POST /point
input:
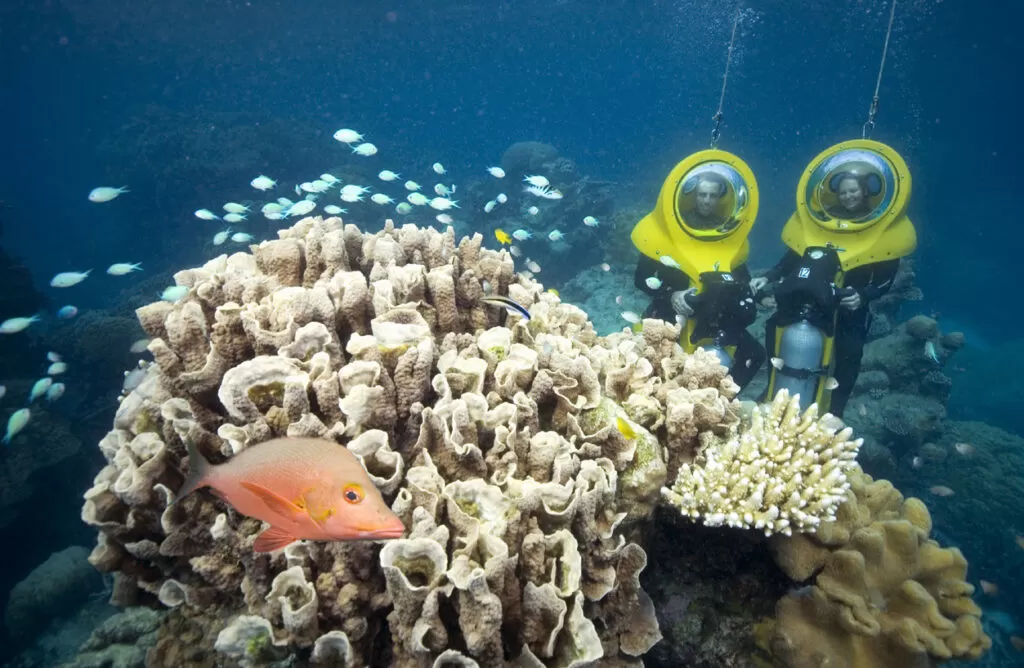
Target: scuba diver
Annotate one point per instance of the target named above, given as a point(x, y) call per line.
point(845, 243)
point(703, 215)
point(693, 249)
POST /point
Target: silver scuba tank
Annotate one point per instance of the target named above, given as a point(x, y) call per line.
point(801, 348)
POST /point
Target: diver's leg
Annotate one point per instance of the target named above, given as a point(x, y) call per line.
point(851, 334)
point(770, 332)
point(748, 359)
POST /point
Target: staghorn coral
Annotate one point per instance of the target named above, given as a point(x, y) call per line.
point(884, 594)
point(786, 472)
point(494, 439)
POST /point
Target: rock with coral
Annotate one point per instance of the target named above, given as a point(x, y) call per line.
point(885, 310)
point(57, 586)
point(499, 441)
point(900, 399)
point(121, 641)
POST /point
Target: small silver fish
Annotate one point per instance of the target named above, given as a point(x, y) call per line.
point(668, 261)
point(965, 449)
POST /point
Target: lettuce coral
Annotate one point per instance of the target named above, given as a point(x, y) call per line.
point(494, 438)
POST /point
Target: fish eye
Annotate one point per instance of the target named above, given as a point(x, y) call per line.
point(353, 493)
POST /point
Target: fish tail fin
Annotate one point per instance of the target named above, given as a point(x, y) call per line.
point(198, 471)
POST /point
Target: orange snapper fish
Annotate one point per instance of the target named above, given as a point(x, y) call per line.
point(305, 488)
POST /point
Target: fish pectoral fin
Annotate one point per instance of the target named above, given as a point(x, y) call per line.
point(272, 539)
point(274, 501)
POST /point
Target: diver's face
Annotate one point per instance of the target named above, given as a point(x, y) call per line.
point(708, 194)
point(851, 195)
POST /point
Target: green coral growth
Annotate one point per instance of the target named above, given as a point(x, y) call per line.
point(264, 396)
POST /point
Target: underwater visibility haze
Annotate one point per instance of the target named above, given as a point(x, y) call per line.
point(538, 333)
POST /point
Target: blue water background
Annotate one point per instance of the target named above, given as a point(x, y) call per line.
point(624, 88)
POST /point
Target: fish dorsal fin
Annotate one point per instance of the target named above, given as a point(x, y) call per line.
point(274, 501)
point(272, 539)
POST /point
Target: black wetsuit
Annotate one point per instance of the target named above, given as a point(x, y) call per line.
point(871, 281)
point(749, 354)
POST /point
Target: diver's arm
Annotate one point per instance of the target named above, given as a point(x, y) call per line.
point(882, 276)
point(784, 266)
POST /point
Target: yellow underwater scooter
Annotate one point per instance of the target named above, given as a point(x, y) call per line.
point(831, 239)
point(706, 246)
point(705, 210)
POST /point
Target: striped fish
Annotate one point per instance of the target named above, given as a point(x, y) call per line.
point(510, 305)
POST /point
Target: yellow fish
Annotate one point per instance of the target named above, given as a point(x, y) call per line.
point(553, 291)
point(624, 428)
point(502, 236)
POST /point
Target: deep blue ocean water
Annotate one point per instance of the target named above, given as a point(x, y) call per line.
point(167, 98)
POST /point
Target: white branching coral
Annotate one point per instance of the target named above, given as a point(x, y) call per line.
point(785, 473)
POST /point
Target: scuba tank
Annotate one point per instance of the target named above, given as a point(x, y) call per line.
point(719, 350)
point(801, 347)
point(723, 309)
point(805, 320)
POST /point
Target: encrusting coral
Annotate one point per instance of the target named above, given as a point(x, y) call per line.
point(518, 453)
point(494, 438)
point(885, 594)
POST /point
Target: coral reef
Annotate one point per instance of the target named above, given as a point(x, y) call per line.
point(525, 457)
point(494, 438)
point(884, 593)
point(986, 483)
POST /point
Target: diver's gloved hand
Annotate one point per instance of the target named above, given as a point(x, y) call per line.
point(679, 303)
point(757, 284)
point(851, 302)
